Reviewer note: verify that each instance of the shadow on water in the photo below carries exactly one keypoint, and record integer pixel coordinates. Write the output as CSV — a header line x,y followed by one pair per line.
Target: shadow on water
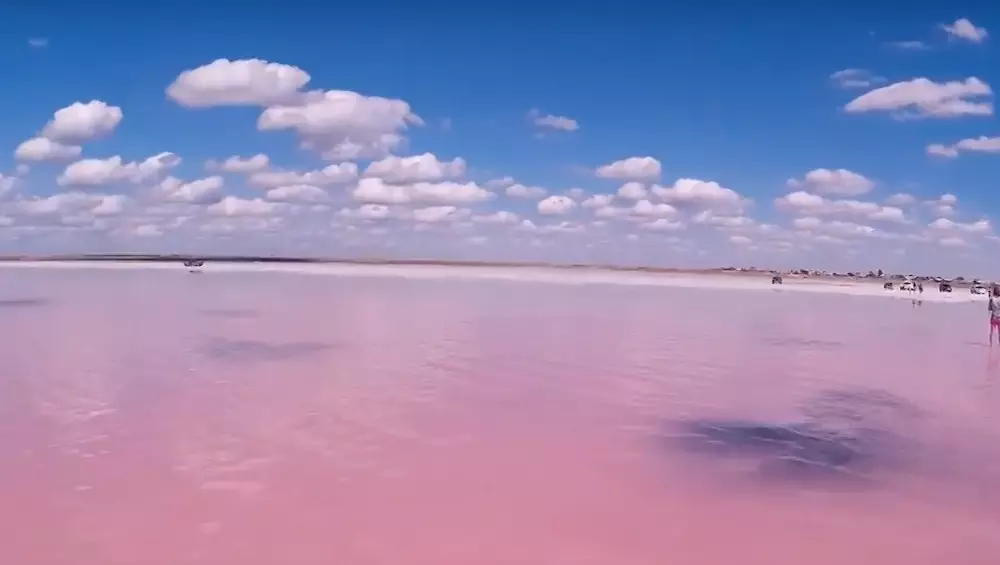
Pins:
x,y
841,439
230,313
22,302
252,351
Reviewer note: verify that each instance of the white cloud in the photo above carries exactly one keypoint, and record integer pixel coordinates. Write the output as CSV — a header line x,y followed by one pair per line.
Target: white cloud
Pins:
x,y
147,230
377,191
71,208
297,193
980,226
662,224
44,149
201,191
330,175
981,144
835,228
525,192
740,240
924,98
552,123
900,199
434,214
952,241
498,217
944,205
633,168
367,212
965,30
647,208
344,125
699,193
425,167
598,201
836,182
800,202
707,217
248,82
38,42
632,191
855,78
556,205
83,121
236,206
237,164
7,183
500,183
95,172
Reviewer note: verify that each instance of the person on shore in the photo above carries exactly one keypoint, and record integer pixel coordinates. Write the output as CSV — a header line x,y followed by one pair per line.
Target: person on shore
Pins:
x,y
994,306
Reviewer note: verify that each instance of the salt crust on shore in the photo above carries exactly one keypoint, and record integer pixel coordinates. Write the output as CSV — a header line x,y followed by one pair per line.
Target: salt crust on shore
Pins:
x,y
550,275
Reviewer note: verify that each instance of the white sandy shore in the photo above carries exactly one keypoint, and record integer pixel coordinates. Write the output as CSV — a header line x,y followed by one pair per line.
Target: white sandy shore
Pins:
x,y
533,274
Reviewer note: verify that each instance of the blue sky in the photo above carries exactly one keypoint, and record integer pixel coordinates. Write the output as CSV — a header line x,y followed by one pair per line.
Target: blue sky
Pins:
x,y
739,99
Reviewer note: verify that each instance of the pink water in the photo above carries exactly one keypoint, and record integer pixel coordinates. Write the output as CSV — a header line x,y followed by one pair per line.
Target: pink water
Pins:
x,y
161,418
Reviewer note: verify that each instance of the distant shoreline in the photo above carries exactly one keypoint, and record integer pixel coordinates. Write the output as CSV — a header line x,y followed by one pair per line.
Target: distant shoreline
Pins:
x,y
252,259
400,262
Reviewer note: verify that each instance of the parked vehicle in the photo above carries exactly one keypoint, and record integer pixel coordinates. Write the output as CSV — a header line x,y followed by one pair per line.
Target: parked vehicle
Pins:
x,y
944,287
194,263
776,280
887,286
977,289
908,285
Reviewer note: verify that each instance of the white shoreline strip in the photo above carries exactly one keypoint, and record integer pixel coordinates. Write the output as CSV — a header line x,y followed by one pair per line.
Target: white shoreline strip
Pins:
x,y
550,275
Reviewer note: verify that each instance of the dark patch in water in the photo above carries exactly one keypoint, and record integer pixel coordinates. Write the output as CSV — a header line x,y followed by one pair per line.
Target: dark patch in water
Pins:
x,y
22,302
235,350
844,436
230,313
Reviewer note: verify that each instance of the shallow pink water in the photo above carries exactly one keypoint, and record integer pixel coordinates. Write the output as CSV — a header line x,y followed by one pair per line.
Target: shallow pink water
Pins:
x,y
165,418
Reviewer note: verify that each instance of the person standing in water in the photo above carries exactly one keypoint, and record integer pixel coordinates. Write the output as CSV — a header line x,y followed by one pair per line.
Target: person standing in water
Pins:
x,y
994,306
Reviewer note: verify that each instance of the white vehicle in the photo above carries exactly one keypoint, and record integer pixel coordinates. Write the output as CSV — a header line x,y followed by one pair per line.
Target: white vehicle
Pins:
x,y
977,289
908,285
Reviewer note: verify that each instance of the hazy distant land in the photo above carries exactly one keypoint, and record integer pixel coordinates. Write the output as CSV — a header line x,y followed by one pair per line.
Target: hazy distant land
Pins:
x,y
741,271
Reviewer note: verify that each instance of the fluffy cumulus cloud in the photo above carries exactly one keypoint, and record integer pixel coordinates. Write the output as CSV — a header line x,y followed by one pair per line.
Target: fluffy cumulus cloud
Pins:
x,y
237,164
250,82
339,177
44,149
924,98
964,30
698,193
376,190
556,205
97,172
837,182
424,167
633,168
344,125
800,202
981,144
83,121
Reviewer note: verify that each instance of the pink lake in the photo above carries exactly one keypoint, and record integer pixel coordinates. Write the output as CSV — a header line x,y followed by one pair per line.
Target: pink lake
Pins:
x,y
165,418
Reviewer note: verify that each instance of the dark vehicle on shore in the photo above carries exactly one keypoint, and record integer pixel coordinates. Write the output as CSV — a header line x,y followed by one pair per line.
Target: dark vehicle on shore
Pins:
x,y
776,279
887,286
944,287
194,263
